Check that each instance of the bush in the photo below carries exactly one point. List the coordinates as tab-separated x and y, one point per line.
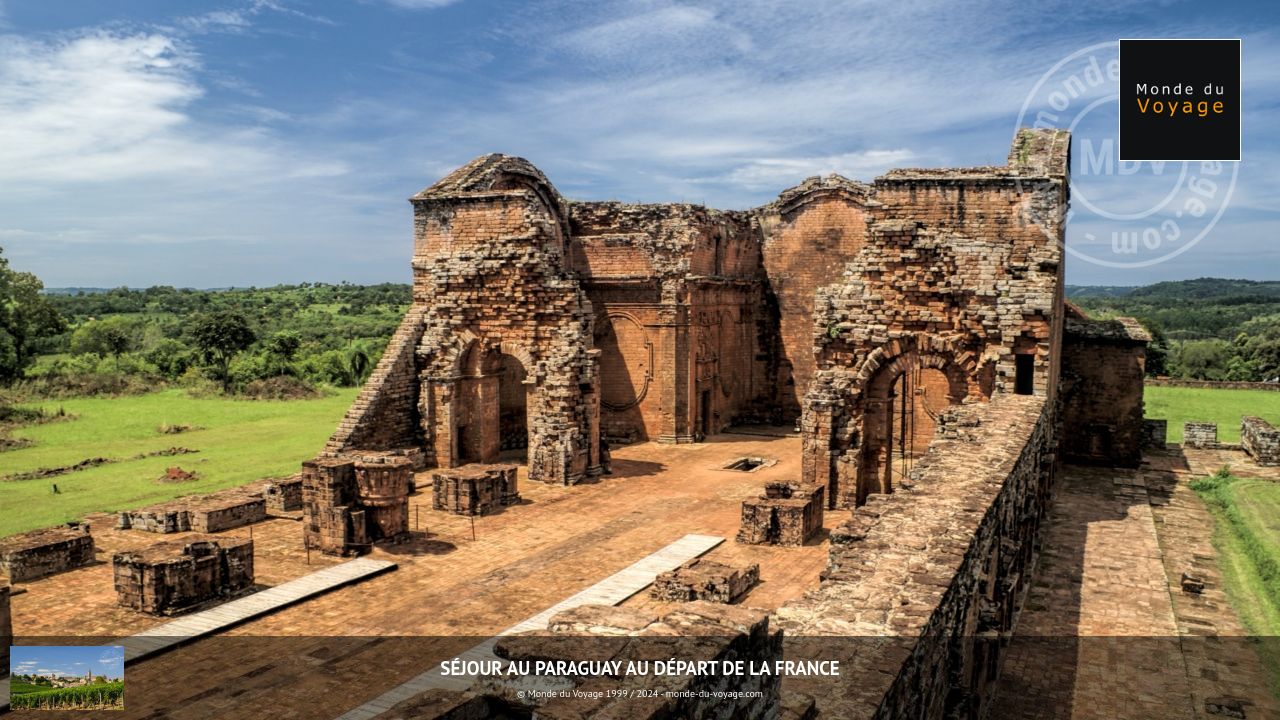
280	388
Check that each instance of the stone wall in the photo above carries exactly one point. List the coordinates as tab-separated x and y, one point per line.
1200	435
932	573
1103	365
1155	433
1215	384
958	285
6	635
32	555
215	512
1260	440
284	495
172	576
787	514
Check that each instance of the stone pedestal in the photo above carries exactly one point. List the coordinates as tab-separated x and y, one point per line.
352	501
787	514
173	576
474	489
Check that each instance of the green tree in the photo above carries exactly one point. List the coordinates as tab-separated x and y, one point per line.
219	337
25	317
283	347
114	336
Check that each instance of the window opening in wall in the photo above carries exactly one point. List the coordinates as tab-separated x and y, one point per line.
1024	382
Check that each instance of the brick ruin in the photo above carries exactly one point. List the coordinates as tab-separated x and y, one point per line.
786	514
474	489
32	555
540	325
1200	434
352	501
177	575
6	636
1260	440
216	512
702	579
1103	425
914	328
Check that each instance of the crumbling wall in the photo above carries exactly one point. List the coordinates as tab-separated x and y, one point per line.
224	510
702	579
1200	435
32	555
787	514
474	489
1103	366
489	264
172	576
384	415
677	291
1260	440
284	494
959	277
809	234
933	573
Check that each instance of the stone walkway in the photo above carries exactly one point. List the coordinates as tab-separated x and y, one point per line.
1107	631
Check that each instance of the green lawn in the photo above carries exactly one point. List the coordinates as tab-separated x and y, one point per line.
240	441
1247	537
1225	407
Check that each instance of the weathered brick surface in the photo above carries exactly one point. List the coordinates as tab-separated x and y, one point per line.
474	489
933	569
353	500
702	579
787	514
1200	434
284	494
1155	433
1103	367
1260	439
6	631
172	576
34	554
215	512
961	273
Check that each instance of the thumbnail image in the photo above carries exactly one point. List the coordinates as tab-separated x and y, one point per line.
73	677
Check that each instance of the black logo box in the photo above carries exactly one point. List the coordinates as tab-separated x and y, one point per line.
1177	72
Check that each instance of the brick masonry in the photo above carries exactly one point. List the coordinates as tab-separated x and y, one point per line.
1200	434
932	569
702	579
173	576
474	489
1103	367
1155	433
786	514
1260	440
351	501
38	553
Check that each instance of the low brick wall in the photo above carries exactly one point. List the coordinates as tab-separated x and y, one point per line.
227	513
1260	440
283	495
1155	433
702	579
169	577
1200	435
923	583
38	553
211	513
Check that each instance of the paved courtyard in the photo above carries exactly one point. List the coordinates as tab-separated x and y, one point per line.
1107	631
332	652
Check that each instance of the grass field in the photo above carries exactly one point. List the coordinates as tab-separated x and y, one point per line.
1225	407
100	696
1247	537
239	441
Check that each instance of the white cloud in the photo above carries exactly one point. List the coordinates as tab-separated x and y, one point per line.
421	4
101	107
779	173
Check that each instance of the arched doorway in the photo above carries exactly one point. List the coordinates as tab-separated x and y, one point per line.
900	418
513	409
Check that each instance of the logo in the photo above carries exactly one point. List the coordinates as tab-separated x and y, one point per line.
1124	213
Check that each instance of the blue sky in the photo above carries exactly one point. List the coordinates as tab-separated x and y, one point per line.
265	141
70	660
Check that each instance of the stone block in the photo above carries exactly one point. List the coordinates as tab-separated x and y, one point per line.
173	576
701	579
1200	435
1155	433
35	554
474	489
1260	440
787	514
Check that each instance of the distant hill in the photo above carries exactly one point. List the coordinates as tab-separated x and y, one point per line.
1200	309
1079	292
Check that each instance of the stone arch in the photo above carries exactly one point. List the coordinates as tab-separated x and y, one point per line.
520	353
